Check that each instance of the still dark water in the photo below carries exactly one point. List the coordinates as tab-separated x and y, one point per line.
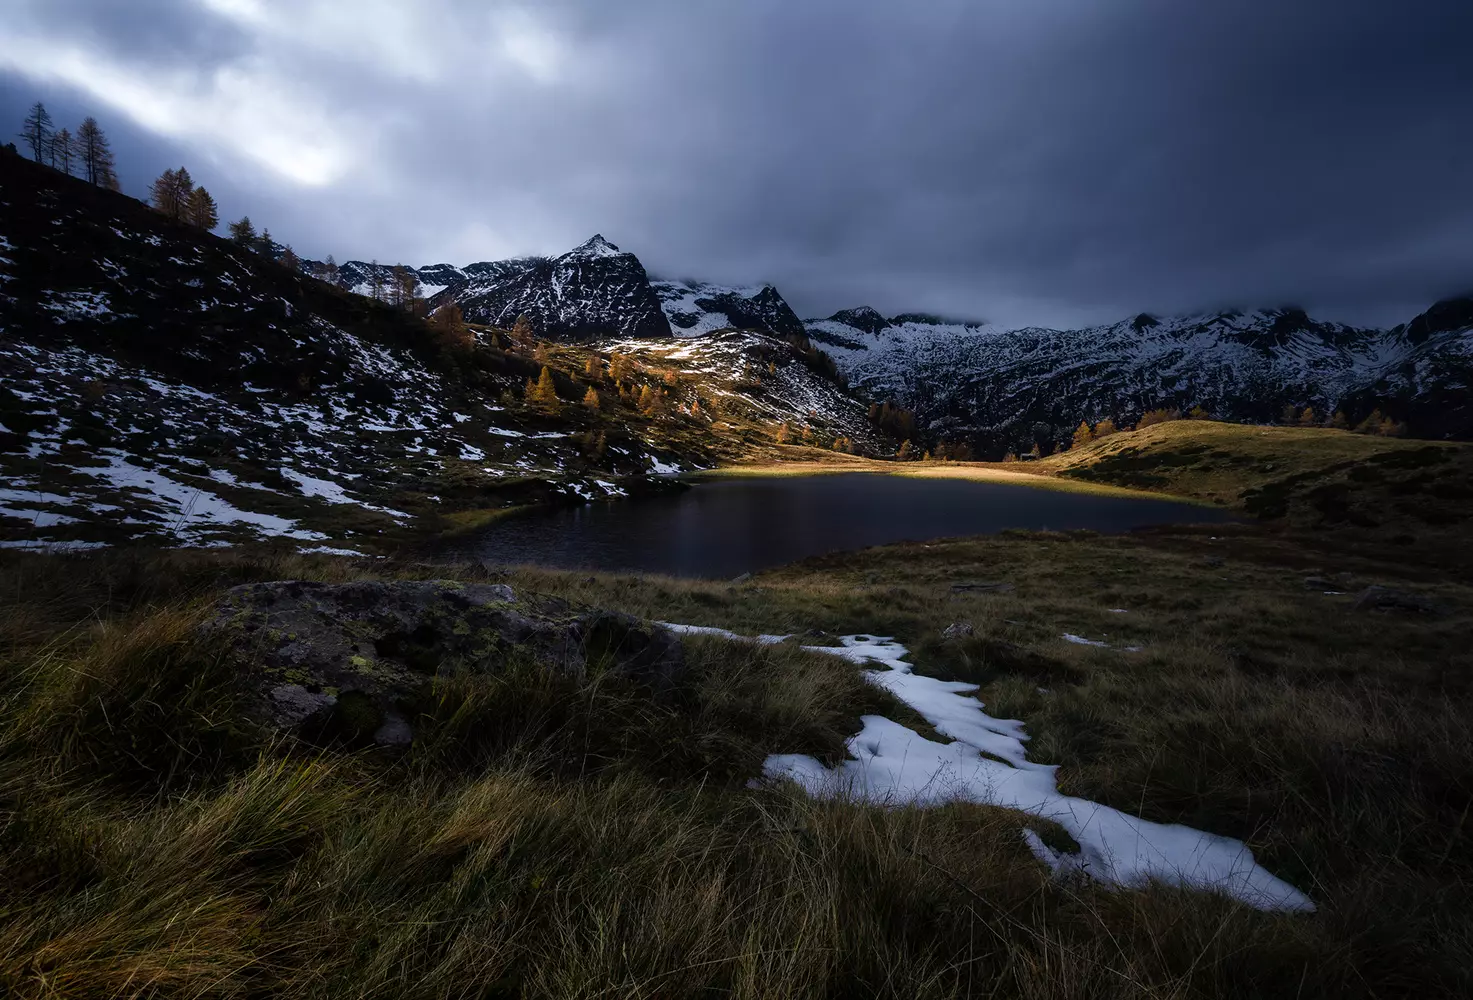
724	528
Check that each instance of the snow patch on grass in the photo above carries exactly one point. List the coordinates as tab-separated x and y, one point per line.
987	763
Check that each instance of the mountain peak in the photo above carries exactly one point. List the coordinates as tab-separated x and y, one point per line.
596	246
863	318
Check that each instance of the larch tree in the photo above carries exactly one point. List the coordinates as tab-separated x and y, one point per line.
330	272
171	192
290	259
37	131
408	289
522	332
94	153
594	368
243	232
375	281
546	392
591	400
1083	435
449	329
63	151
201	210
905	452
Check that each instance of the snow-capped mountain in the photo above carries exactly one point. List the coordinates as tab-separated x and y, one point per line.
1005	388
593	291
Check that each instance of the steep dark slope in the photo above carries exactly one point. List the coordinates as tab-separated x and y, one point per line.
162	383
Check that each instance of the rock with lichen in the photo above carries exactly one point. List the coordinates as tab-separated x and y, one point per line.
350	661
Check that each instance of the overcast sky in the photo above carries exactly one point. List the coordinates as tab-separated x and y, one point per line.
1024	161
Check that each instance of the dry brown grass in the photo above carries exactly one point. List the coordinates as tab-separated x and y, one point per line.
548	839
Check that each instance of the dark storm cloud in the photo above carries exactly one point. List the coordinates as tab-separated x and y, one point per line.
1043	162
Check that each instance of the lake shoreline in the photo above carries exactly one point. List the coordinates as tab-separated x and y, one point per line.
978	472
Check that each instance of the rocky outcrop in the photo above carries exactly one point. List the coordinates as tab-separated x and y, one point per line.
351	662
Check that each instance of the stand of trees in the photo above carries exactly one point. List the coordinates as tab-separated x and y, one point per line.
85	153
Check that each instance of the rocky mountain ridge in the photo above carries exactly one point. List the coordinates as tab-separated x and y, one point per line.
1001	388
1007	388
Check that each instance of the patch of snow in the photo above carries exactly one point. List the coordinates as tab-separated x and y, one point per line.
324	489
764	640
190	509
892	765
1080	640
328	550
37	518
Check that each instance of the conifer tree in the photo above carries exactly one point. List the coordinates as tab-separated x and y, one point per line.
201	211
1083	435
543	352
546	392
243	233
1340	421
594	368
1104	428
450	330
37	131
332	275
695	408
63	151
171	192
522	332
266	246
590	399
289	258
1290	415
1308	418
375	281
94	153
905	451
650	399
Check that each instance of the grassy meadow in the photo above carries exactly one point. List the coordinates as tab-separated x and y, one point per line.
547	837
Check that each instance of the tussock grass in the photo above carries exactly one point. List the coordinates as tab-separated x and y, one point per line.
547	837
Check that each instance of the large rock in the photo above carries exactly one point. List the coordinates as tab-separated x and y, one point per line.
350	661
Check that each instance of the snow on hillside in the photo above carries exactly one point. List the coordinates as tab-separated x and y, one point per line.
695	308
1009	387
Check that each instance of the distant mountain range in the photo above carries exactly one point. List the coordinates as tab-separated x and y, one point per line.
1002	388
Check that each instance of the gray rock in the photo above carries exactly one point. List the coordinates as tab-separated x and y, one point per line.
1384	599
352	661
957	630
741	579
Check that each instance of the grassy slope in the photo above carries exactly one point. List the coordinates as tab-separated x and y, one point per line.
554	839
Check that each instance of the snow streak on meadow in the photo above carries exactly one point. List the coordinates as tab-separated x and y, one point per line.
987	763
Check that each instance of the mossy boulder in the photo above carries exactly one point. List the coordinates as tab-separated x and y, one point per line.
349	662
